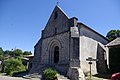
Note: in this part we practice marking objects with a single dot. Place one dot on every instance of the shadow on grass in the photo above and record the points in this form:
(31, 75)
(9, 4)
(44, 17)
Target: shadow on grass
(106, 76)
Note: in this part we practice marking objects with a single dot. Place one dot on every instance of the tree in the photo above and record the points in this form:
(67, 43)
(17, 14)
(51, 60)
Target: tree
(7, 53)
(17, 52)
(1, 51)
(113, 34)
(27, 53)
(12, 60)
(13, 53)
(1, 58)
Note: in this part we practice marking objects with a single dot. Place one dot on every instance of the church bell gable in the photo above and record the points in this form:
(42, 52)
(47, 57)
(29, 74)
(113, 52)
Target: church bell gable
(57, 23)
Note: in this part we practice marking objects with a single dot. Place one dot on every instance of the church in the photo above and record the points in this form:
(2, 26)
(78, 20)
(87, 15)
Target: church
(66, 43)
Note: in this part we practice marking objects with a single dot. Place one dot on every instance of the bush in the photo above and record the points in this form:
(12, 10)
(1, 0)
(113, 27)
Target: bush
(13, 65)
(50, 74)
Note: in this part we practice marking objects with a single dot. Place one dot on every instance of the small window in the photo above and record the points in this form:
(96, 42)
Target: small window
(55, 31)
(56, 15)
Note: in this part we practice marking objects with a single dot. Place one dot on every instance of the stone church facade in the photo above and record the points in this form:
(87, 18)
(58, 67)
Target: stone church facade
(66, 43)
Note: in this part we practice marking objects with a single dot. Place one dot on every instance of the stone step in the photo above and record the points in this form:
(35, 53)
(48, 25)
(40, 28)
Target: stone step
(61, 77)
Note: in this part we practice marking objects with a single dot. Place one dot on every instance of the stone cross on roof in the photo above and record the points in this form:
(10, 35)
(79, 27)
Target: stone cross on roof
(57, 2)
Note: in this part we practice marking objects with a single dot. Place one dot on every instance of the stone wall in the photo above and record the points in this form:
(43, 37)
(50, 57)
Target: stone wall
(59, 24)
(48, 44)
(63, 40)
(88, 32)
(89, 41)
(37, 58)
(44, 57)
(88, 48)
(55, 33)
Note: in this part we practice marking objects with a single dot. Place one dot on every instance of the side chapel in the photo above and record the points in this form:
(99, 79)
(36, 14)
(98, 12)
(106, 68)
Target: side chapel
(67, 43)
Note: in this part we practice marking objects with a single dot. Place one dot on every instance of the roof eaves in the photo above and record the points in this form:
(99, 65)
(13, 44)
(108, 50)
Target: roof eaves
(113, 45)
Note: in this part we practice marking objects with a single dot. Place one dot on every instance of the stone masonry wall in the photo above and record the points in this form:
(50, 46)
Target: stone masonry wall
(85, 31)
(60, 23)
(37, 58)
(62, 41)
(89, 48)
(55, 33)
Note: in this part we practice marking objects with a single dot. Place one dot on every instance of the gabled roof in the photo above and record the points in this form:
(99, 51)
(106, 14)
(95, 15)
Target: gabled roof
(61, 11)
(57, 20)
(115, 42)
(57, 8)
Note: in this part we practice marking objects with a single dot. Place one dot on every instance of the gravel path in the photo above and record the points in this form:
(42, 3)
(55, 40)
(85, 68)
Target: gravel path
(15, 78)
(11, 78)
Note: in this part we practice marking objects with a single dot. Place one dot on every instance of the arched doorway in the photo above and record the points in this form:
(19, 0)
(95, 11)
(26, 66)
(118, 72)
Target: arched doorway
(54, 51)
(56, 54)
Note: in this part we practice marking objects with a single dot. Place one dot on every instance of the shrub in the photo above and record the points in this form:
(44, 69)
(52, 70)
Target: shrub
(13, 65)
(50, 74)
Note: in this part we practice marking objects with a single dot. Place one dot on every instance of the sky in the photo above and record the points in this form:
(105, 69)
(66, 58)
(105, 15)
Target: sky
(21, 21)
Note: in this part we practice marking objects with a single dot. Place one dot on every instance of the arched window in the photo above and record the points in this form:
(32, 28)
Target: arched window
(55, 15)
(56, 54)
